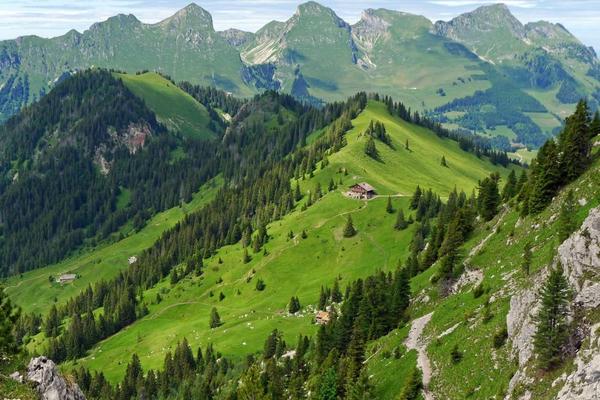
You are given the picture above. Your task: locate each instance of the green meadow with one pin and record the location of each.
(176, 109)
(297, 266)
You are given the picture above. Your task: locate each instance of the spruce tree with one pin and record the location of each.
(336, 294)
(566, 218)
(8, 318)
(371, 148)
(510, 188)
(552, 326)
(389, 208)
(215, 319)
(545, 179)
(52, 323)
(401, 223)
(443, 162)
(416, 198)
(595, 125)
(349, 230)
(575, 144)
(489, 197)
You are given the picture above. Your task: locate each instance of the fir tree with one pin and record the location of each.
(371, 149)
(489, 197)
(327, 389)
(406, 146)
(595, 125)
(336, 294)
(545, 178)
(294, 305)
(552, 327)
(401, 223)
(416, 198)
(575, 144)
(8, 318)
(246, 258)
(412, 387)
(443, 162)
(52, 323)
(566, 218)
(349, 230)
(215, 319)
(510, 188)
(389, 208)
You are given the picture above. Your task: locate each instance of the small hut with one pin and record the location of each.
(66, 278)
(361, 191)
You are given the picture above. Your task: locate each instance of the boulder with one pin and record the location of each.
(50, 384)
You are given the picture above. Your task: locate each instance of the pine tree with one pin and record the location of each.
(349, 230)
(297, 193)
(520, 184)
(389, 208)
(371, 148)
(510, 189)
(251, 387)
(327, 389)
(8, 318)
(489, 197)
(575, 144)
(401, 223)
(552, 326)
(566, 218)
(443, 162)
(246, 258)
(322, 299)
(406, 146)
(215, 319)
(546, 178)
(52, 323)
(336, 293)
(294, 305)
(416, 198)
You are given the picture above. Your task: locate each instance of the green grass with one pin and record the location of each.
(484, 372)
(298, 267)
(177, 110)
(34, 292)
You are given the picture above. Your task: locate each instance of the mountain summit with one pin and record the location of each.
(191, 16)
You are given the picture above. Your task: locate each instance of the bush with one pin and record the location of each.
(456, 355)
(260, 285)
(478, 291)
(500, 338)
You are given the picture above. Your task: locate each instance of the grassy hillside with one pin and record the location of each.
(34, 291)
(177, 110)
(462, 319)
(299, 266)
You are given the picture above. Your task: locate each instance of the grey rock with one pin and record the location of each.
(51, 385)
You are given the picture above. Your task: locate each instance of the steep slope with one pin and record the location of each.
(293, 265)
(175, 109)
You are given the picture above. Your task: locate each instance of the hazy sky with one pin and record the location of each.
(49, 18)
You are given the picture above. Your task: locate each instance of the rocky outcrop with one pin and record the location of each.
(50, 384)
(584, 382)
(580, 258)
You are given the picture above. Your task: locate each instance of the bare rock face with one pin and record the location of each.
(51, 385)
(584, 382)
(580, 257)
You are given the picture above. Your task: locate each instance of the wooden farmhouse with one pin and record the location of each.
(362, 191)
(322, 317)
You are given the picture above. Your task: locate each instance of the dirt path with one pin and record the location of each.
(416, 341)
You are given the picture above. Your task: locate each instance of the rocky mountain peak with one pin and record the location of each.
(315, 10)
(485, 19)
(191, 16)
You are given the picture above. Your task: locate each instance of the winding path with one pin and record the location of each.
(416, 341)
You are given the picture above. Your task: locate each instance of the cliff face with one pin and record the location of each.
(579, 257)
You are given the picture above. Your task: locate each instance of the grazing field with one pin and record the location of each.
(36, 291)
(297, 266)
(176, 109)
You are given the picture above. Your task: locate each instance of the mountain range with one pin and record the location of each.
(483, 71)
